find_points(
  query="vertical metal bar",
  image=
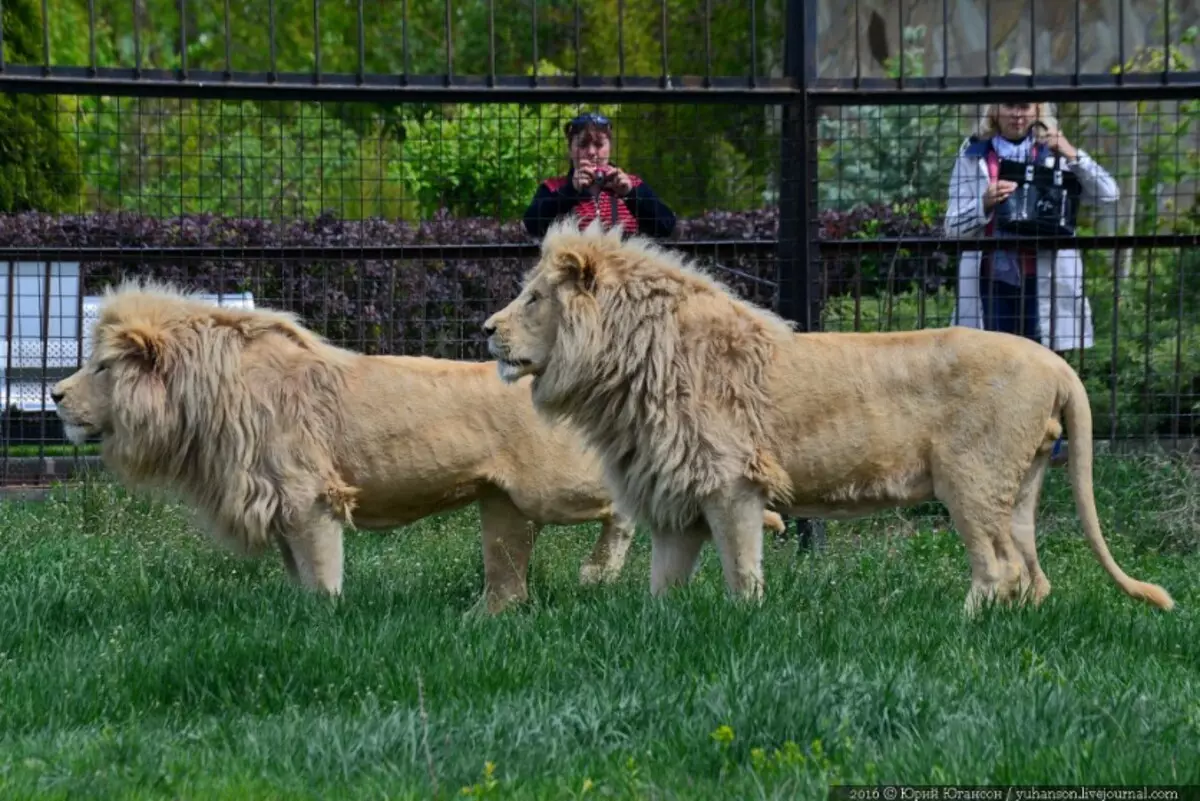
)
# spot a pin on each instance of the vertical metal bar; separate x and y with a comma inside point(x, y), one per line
point(1166, 73)
point(47, 289)
point(271, 37)
point(707, 43)
point(228, 43)
point(1177, 401)
point(137, 40)
point(900, 35)
point(1121, 41)
point(797, 258)
point(1115, 414)
point(1147, 371)
point(91, 36)
point(754, 43)
point(183, 65)
point(362, 45)
point(491, 77)
point(620, 41)
point(578, 34)
point(45, 38)
point(448, 24)
point(404, 40)
point(1078, 26)
point(945, 41)
point(663, 37)
point(533, 77)
point(857, 46)
point(987, 42)
point(316, 41)
point(1032, 42)
point(8, 364)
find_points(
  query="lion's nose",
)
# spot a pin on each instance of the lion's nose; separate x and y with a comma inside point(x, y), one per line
point(489, 328)
point(56, 395)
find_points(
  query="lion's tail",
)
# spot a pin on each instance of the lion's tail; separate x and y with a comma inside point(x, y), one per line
point(1078, 414)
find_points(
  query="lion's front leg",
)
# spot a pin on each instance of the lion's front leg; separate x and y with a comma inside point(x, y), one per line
point(314, 549)
point(608, 555)
point(735, 517)
point(673, 557)
point(508, 540)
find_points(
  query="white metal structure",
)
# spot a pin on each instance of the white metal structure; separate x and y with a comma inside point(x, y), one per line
point(47, 336)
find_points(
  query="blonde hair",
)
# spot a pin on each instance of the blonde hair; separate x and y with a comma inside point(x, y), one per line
point(989, 123)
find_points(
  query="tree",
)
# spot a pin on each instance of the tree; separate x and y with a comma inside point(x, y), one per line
point(39, 168)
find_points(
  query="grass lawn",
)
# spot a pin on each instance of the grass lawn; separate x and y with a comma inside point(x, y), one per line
point(138, 661)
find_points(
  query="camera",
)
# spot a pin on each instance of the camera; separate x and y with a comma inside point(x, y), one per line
point(604, 177)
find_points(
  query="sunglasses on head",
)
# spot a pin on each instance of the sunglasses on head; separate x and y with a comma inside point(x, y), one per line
point(589, 118)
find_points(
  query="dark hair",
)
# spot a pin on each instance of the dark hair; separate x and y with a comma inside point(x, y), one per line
point(590, 120)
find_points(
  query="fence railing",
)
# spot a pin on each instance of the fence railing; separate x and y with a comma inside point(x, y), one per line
point(198, 114)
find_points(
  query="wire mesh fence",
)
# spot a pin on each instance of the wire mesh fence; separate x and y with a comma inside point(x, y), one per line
point(372, 168)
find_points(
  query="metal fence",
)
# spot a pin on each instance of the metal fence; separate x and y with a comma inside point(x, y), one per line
point(367, 166)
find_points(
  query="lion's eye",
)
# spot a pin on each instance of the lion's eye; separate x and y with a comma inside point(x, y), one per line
point(101, 367)
point(534, 297)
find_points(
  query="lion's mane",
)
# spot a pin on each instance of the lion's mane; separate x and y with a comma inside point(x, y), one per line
point(674, 414)
point(247, 446)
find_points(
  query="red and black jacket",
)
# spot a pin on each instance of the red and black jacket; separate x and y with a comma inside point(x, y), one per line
point(641, 211)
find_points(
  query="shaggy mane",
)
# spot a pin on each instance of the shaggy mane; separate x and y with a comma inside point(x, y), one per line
point(663, 367)
point(201, 403)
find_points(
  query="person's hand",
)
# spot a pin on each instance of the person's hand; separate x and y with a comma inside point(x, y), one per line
point(997, 193)
point(583, 177)
point(619, 182)
point(1054, 139)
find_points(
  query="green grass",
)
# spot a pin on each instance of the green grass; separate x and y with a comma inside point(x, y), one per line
point(138, 661)
point(27, 450)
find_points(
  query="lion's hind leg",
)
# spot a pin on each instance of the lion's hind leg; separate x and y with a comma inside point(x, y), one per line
point(508, 540)
point(1024, 519)
point(981, 505)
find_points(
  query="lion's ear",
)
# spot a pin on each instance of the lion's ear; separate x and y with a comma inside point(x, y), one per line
point(142, 343)
point(578, 268)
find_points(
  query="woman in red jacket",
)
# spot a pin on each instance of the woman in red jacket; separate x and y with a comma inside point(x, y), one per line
point(594, 188)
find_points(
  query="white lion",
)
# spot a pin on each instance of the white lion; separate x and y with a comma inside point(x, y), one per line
point(277, 437)
point(706, 409)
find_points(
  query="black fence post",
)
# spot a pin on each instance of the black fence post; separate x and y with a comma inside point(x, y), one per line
point(797, 257)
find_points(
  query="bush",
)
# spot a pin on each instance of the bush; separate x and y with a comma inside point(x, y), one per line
point(436, 304)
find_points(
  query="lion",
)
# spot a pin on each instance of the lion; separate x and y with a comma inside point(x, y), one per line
point(706, 409)
point(276, 436)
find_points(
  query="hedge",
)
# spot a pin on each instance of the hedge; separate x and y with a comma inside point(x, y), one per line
point(433, 305)
point(436, 305)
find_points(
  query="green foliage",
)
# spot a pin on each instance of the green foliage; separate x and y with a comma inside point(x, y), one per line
point(887, 153)
point(406, 160)
point(1152, 355)
point(38, 165)
point(286, 160)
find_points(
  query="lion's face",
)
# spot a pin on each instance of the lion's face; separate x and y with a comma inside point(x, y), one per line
point(522, 335)
point(119, 395)
point(84, 400)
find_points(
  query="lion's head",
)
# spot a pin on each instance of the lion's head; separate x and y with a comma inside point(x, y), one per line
point(660, 366)
point(163, 364)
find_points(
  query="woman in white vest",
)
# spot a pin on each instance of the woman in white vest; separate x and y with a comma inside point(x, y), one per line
point(1037, 294)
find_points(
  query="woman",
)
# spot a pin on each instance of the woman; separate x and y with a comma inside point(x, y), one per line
point(1037, 294)
point(594, 188)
